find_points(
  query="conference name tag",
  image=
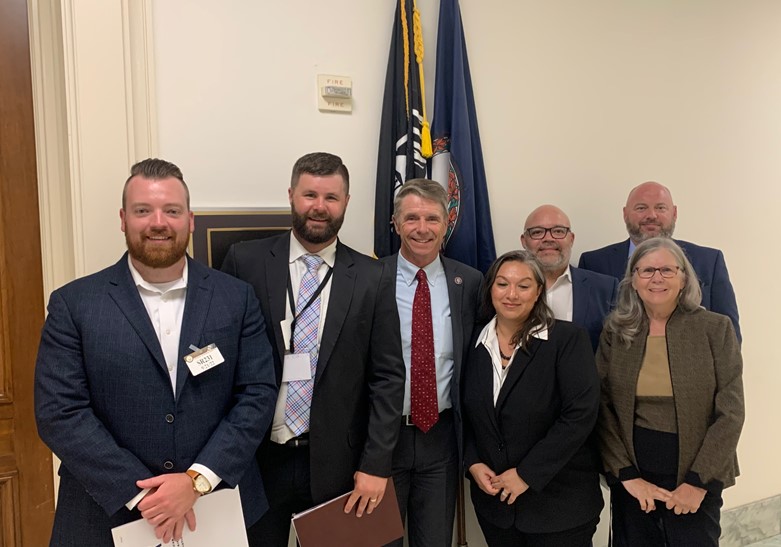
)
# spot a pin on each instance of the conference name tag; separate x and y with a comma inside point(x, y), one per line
point(296, 367)
point(204, 359)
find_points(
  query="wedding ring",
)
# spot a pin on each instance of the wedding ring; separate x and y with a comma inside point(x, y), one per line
point(373, 500)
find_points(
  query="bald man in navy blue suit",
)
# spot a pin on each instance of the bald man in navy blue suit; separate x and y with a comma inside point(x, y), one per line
point(650, 212)
point(576, 295)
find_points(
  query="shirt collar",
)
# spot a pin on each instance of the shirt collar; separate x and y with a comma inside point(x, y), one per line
point(159, 288)
point(297, 250)
point(488, 334)
point(632, 247)
point(408, 270)
point(567, 275)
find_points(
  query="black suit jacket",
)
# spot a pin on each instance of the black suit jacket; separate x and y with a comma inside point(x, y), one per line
point(359, 383)
point(541, 425)
point(463, 289)
point(593, 296)
point(105, 405)
point(717, 292)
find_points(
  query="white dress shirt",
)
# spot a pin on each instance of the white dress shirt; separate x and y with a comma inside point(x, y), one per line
point(491, 342)
point(164, 303)
point(559, 296)
point(280, 432)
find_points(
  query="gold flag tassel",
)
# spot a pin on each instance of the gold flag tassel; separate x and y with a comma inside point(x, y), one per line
point(425, 136)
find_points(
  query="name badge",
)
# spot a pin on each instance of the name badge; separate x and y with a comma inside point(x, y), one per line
point(296, 367)
point(204, 359)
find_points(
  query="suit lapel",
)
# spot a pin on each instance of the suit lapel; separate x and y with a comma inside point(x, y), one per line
point(196, 309)
point(455, 292)
point(277, 275)
point(339, 298)
point(485, 386)
point(520, 364)
point(125, 293)
point(620, 258)
point(579, 300)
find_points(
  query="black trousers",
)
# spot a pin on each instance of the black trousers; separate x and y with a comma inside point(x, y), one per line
point(657, 458)
point(286, 479)
point(580, 536)
point(425, 474)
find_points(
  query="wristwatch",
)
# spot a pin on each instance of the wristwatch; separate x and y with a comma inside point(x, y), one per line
point(200, 483)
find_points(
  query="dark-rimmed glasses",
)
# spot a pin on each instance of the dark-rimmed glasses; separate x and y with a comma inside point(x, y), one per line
point(667, 272)
point(557, 232)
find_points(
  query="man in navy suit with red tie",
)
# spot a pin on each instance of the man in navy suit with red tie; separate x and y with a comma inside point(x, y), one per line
point(437, 299)
point(650, 212)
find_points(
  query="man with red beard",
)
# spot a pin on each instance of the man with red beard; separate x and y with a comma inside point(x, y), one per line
point(574, 294)
point(140, 433)
point(650, 212)
point(335, 333)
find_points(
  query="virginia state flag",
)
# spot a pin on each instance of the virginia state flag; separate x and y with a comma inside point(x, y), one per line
point(458, 156)
point(404, 132)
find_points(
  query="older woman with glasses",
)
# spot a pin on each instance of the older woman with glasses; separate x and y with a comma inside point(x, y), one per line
point(672, 403)
point(531, 399)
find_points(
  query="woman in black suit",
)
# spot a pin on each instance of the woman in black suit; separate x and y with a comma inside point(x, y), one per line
point(530, 402)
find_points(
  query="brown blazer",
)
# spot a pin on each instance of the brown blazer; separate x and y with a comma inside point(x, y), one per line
point(706, 372)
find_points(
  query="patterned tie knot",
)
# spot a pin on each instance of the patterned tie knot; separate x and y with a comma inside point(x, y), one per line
point(313, 262)
point(421, 276)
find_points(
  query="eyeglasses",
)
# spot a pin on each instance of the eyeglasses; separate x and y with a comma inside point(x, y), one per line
point(665, 271)
point(557, 232)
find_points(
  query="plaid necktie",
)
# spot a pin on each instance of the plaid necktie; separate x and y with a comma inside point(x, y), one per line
point(299, 392)
point(423, 375)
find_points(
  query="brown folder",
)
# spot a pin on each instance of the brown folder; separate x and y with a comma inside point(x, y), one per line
point(327, 525)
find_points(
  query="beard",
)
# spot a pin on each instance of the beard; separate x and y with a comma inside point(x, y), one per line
point(315, 235)
point(637, 235)
point(552, 263)
point(157, 255)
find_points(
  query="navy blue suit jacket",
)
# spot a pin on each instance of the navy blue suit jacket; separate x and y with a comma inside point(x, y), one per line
point(717, 292)
point(593, 296)
point(463, 289)
point(105, 406)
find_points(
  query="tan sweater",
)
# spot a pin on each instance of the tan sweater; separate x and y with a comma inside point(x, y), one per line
point(706, 372)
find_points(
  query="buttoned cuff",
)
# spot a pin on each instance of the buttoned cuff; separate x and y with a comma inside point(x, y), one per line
point(213, 479)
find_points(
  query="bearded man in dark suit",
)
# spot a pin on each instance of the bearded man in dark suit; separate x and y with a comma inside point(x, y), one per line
point(335, 333)
point(139, 433)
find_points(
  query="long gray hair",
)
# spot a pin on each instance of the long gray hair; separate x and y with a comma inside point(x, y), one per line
point(629, 317)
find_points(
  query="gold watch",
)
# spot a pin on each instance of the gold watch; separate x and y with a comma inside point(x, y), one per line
point(201, 484)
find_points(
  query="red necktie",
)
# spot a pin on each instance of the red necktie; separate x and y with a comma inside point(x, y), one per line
point(423, 375)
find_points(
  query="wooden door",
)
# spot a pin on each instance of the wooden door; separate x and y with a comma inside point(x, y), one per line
point(26, 483)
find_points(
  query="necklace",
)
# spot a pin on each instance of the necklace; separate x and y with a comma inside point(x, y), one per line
point(503, 356)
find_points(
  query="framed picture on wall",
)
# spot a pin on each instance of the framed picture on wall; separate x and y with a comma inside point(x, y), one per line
point(217, 229)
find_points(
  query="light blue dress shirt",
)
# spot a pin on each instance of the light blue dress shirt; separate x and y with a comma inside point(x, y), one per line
point(406, 284)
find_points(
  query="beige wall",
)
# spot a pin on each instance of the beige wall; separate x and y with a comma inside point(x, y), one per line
point(577, 102)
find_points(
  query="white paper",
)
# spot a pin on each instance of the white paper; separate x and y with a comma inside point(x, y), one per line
point(218, 521)
point(297, 366)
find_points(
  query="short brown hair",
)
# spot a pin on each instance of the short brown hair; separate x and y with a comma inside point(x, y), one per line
point(321, 164)
point(156, 169)
point(424, 189)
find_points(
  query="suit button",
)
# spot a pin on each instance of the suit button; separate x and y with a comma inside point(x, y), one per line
point(501, 446)
point(168, 465)
point(169, 418)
